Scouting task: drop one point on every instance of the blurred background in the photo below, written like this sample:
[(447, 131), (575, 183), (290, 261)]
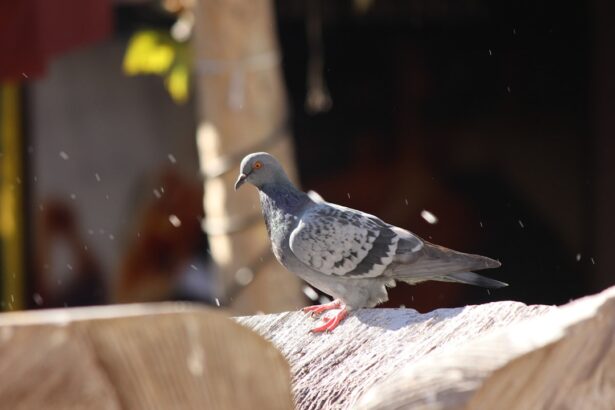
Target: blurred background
[(484, 126)]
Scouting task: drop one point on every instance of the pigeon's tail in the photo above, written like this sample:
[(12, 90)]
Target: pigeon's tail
[(475, 279), (435, 262)]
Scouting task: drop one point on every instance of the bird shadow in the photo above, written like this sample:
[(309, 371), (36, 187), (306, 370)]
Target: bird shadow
[(398, 318)]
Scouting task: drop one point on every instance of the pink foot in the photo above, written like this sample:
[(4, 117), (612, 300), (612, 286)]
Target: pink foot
[(318, 309), (331, 323)]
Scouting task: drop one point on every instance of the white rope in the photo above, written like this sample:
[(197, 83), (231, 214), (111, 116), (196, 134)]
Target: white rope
[(238, 70)]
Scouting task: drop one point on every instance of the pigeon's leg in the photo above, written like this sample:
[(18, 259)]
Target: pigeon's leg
[(318, 309), (332, 322)]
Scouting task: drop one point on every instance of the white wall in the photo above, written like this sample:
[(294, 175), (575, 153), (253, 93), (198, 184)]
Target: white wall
[(122, 128)]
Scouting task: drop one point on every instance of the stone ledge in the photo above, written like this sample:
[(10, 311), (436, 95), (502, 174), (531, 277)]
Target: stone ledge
[(486, 356)]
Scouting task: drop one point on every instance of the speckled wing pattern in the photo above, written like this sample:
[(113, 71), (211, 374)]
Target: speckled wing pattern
[(335, 240)]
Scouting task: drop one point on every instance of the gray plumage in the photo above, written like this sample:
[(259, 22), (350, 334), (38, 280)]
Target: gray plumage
[(348, 254)]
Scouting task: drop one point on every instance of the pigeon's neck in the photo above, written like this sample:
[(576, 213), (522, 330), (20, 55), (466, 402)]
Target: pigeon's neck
[(281, 205), (282, 197)]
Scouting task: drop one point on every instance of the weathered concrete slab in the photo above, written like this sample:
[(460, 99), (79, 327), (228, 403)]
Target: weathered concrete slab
[(333, 371)]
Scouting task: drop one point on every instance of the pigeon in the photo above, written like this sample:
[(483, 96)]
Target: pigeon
[(351, 255)]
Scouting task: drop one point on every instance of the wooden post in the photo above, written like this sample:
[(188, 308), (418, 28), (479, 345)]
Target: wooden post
[(242, 109)]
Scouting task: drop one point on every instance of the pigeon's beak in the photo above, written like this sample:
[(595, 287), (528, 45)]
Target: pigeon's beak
[(240, 181)]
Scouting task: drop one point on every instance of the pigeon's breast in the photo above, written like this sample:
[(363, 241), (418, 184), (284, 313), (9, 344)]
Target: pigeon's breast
[(280, 223)]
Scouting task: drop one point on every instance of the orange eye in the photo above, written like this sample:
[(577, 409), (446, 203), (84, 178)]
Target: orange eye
[(257, 165)]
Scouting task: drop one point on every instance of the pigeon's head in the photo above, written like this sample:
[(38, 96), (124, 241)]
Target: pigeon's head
[(260, 168)]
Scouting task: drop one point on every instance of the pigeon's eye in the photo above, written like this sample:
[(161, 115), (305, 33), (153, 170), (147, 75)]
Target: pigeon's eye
[(257, 165)]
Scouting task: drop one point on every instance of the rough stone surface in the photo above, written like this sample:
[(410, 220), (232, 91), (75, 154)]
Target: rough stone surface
[(333, 370), (137, 357), (562, 360)]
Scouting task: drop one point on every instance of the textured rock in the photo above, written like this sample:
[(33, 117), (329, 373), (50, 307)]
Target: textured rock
[(155, 356), (493, 356), (334, 370), (562, 360)]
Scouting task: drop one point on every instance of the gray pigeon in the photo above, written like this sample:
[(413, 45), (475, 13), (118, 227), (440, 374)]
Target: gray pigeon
[(348, 254)]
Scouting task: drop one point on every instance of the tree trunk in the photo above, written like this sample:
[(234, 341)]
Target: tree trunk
[(242, 109)]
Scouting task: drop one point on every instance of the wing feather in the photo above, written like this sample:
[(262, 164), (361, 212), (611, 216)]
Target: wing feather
[(335, 240)]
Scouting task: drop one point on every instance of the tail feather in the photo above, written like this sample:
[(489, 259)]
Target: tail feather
[(475, 279), (435, 262), (470, 261)]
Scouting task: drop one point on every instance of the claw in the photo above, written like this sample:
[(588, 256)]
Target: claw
[(331, 323), (318, 309)]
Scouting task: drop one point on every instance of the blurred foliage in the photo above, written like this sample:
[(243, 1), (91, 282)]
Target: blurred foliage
[(157, 52)]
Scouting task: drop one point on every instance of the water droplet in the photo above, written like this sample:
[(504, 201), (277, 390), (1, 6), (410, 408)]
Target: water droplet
[(490, 52), (310, 293), (38, 299), (578, 257), (64, 155), (244, 276), (172, 159), (217, 302), (175, 221), (97, 176), (429, 217), (521, 223)]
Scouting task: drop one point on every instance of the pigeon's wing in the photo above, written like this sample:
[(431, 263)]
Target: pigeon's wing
[(335, 240)]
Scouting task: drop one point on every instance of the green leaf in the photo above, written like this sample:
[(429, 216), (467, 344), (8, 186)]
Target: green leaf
[(156, 52), (149, 52), (177, 82)]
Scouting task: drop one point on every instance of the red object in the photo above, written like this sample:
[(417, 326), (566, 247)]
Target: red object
[(330, 322), (34, 31)]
